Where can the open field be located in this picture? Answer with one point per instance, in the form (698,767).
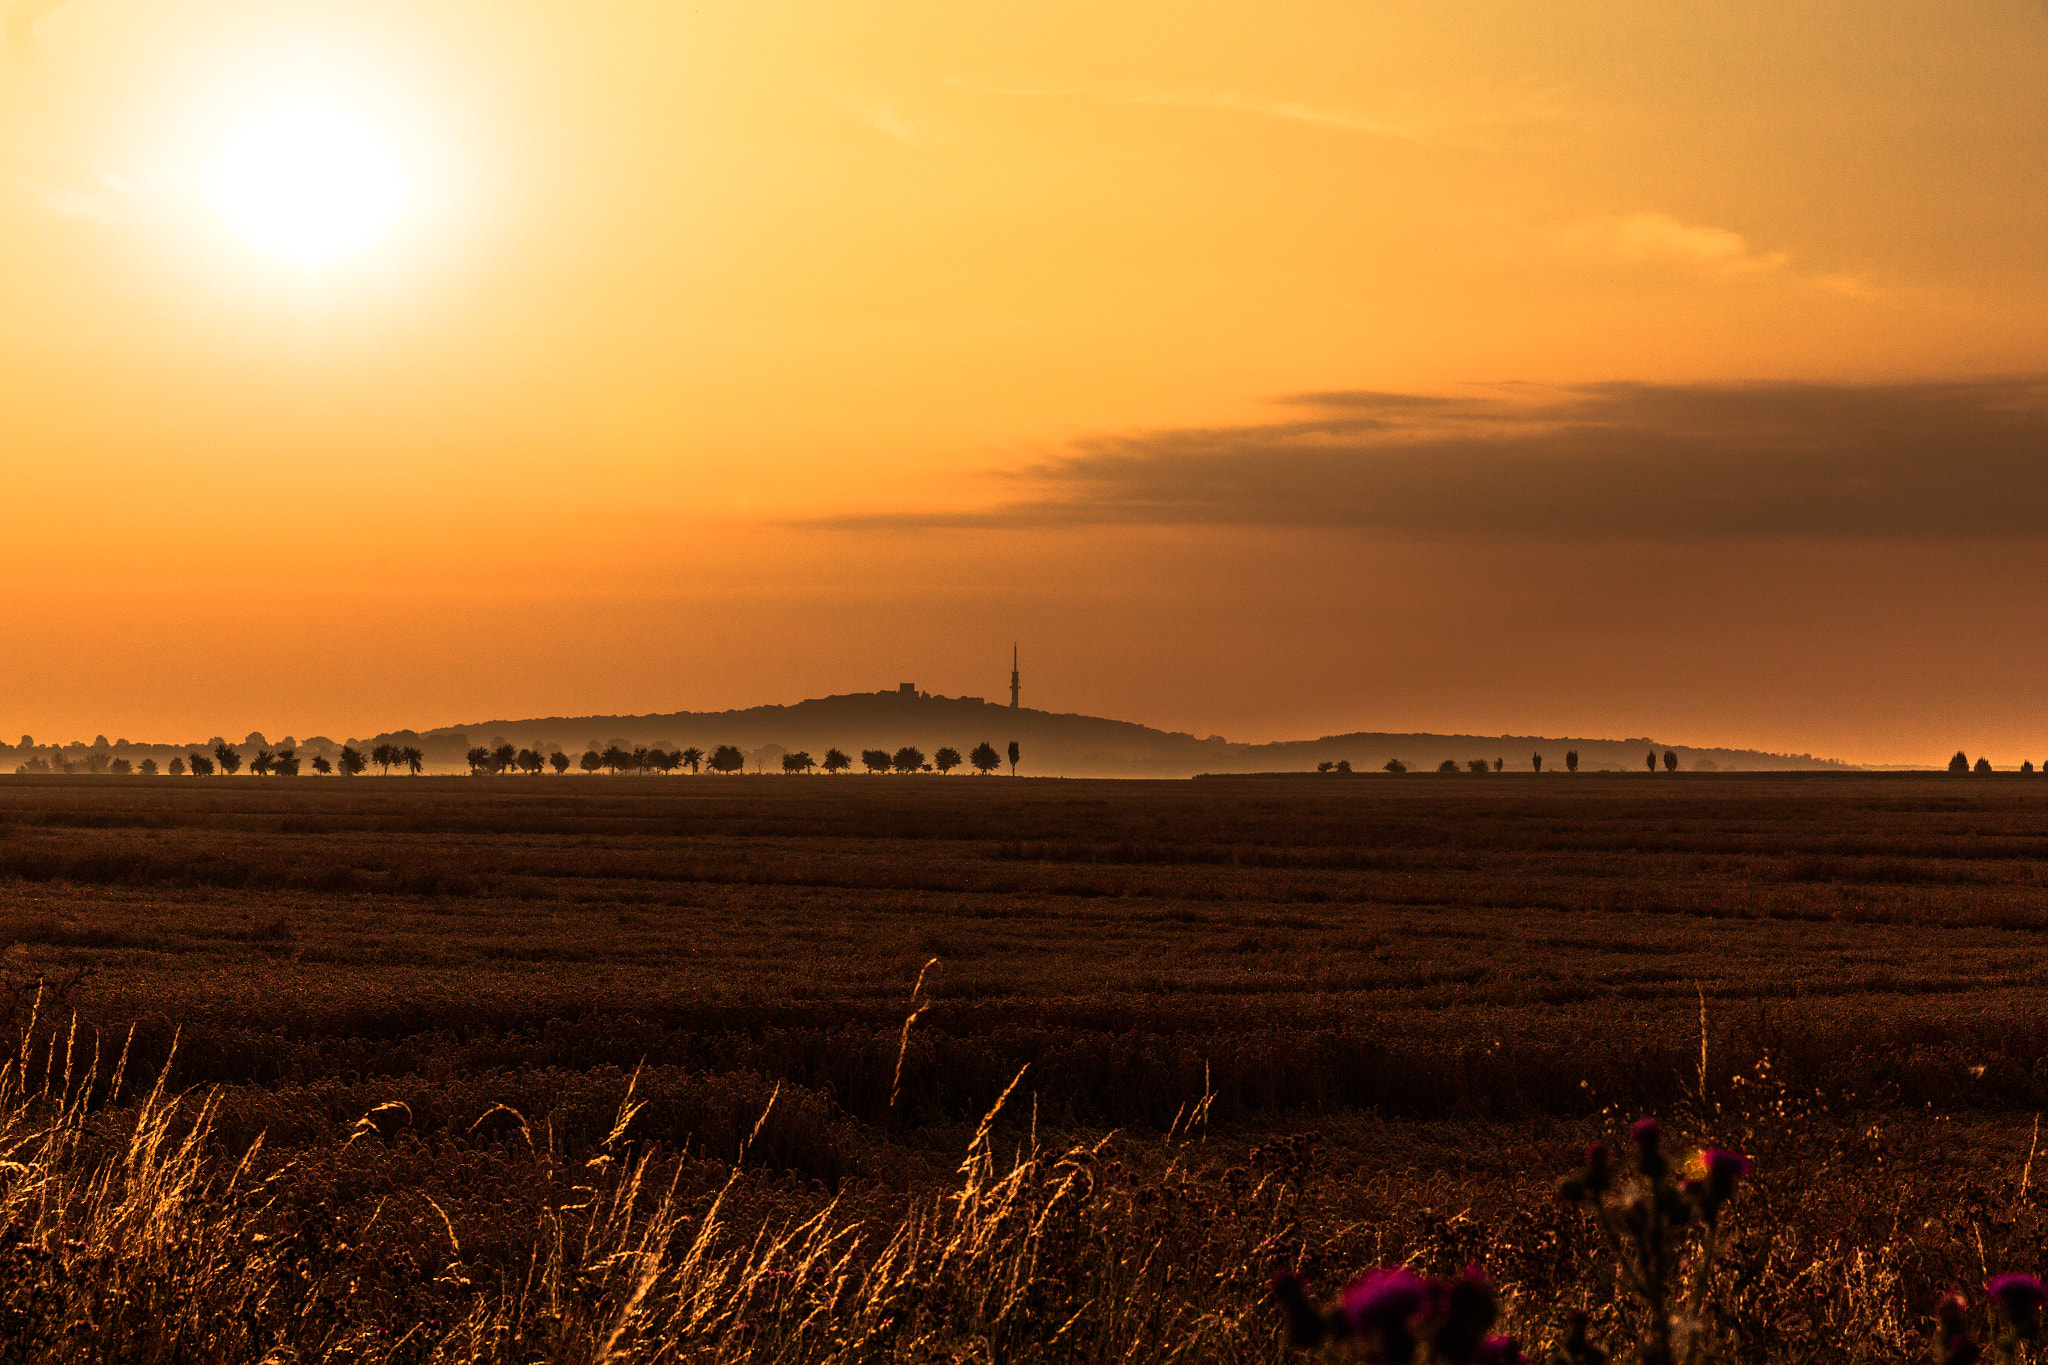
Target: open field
(1449,981)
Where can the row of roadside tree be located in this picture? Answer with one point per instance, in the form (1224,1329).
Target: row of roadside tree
(727,758)
(614,759)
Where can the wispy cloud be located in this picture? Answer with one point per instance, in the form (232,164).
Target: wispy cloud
(1957,460)
(914,132)
(1658,239)
(1471,118)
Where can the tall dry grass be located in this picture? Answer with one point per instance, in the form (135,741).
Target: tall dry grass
(128,1236)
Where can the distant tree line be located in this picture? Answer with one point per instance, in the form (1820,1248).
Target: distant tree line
(285,761)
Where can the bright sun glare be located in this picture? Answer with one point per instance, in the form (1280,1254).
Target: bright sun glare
(307,184)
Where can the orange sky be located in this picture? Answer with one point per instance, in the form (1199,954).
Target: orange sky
(735,353)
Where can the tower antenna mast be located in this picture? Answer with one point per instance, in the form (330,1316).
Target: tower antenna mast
(1013,677)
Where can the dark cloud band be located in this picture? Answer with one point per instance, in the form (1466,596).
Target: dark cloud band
(1963,459)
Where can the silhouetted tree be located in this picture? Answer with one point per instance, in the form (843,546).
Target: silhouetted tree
(531,762)
(616,758)
(202,766)
(875,760)
(503,757)
(1015,755)
(985,758)
(260,765)
(415,762)
(2026,765)
(836,762)
(1477,765)
(727,758)
(177,768)
(1983,768)
(946,760)
(321,765)
(120,767)
(1653,760)
(1499,764)
(1960,764)
(384,755)
(351,761)
(559,761)
(1395,766)
(286,763)
(479,759)
(693,758)
(1343,765)
(668,760)
(1536,761)
(798,762)
(907,759)
(229,759)
(592,760)
(148,767)
(1449,765)
(1670,761)
(1325,766)
(641,759)
(1571,760)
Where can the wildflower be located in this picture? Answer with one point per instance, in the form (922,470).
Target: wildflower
(1502,1351)
(2022,1297)
(1723,1170)
(1594,1180)
(1952,1313)
(1463,1309)
(1382,1303)
(1649,1160)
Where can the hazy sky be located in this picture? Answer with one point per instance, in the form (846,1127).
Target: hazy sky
(1588,368)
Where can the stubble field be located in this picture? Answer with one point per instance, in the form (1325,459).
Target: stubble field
(1320,1022)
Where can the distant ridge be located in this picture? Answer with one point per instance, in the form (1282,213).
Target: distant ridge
(1054,743)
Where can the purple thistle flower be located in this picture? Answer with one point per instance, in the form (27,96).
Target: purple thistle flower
(1649,1160)
(1384,1298)
(2015,1291)
(2021,1296)
(1464,1308)
(1502,1351)
(1723,1170)
(1382,1304)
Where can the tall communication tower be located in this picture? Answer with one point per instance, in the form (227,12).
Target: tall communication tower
(1013,677)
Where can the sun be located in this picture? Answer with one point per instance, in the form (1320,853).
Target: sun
(307,184)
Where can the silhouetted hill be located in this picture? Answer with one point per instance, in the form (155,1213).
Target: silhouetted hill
(1054,744)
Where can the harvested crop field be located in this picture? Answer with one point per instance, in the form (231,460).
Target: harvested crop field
(1398,1007)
